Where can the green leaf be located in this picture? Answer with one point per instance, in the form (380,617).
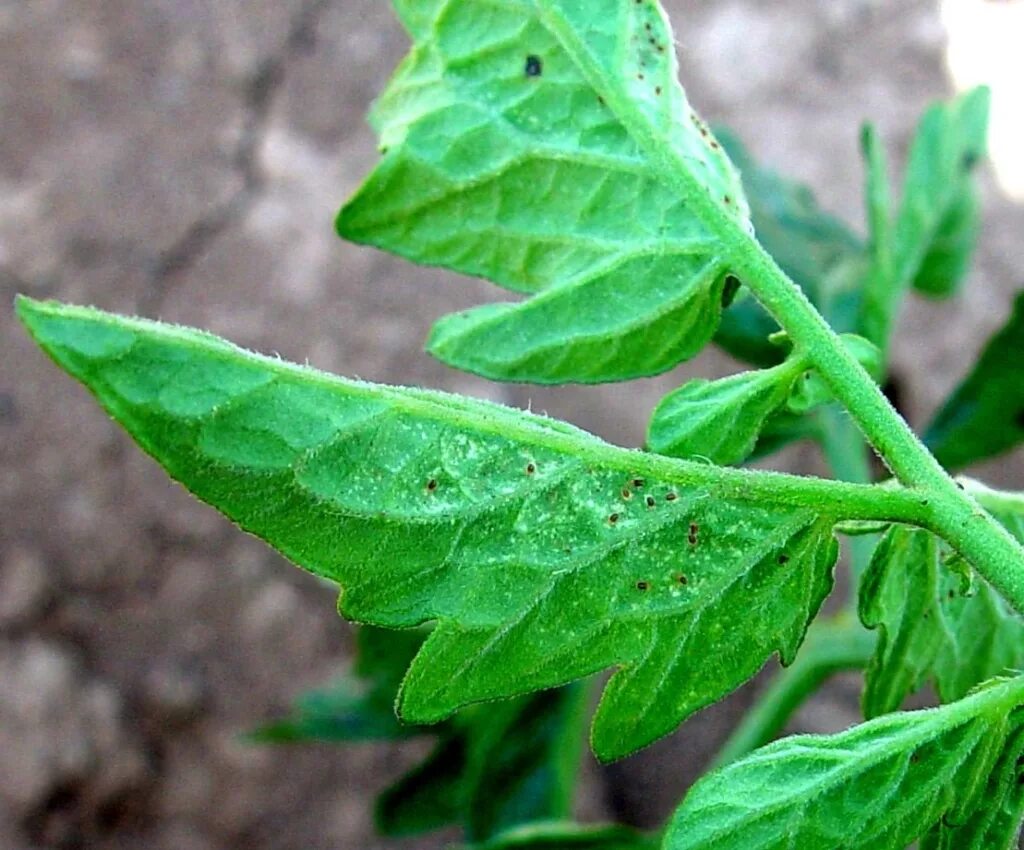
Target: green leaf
(937,224)
(497,766)
(721,420)
(984,416)
(430,796)
(543,554)
(996,825)
(351,710)
(817,250)
(418,16)
(556,836)
(878,786)
(936,621)
(524,142)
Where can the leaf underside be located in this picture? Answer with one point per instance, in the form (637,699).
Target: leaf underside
(878,786)
(524,142)
(936,623)
(543,554)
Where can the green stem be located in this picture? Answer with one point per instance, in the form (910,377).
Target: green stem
(953,514)
(832,646)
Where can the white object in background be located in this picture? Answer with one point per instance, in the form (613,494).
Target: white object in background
(986,46)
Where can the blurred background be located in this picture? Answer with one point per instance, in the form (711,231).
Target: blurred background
(183,159)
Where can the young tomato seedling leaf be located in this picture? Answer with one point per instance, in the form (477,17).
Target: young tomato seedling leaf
(544,554)
(522,142)
(936,621)
(985,415)
(878,786)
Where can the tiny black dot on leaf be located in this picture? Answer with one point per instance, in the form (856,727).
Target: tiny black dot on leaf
(642,585)
(694,528)
(783,558)
(682,579)
(650,501)
(432,484)
(970,160)
(614,518)
(715,146)
(671,497)
(692,539)
(531,468)
(627,493)
(914,758)
(638,482)
(534,66)
(657,90)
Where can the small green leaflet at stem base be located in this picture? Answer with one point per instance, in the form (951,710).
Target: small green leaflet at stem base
(520,143)
(557,836)
(878,786)
(544,554)
(984,416)
(817,250)
(721,420)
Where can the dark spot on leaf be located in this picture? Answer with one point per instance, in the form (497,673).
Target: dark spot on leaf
(951,594)
(432,485)
(727,200)
(671,497)
(638,482)
(915,758)
(715,146)
(783,558)
(657,90)
(694,528)
(650,501)
(641,77)
(531,468)
(692,539)
(682,579)
(627,493)
(614,518)
(642,585)
(600,100)
(534,66)
(959,485)
(970,160)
